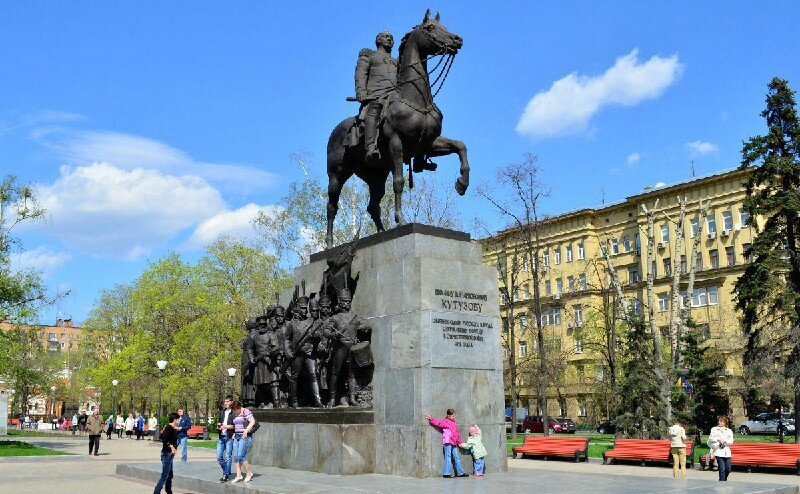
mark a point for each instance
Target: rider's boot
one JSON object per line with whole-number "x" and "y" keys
{"x": 371, "y": 136}
{"x": 422, "y": 163}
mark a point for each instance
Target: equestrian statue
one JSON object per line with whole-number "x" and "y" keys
{"x": 398, "y": 122}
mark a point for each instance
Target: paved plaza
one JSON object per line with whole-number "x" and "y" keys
{"x": 129, "y": 467}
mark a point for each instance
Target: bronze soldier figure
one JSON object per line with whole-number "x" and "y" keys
{"x": 343, "y": 329}
{"x": 300, "y": 347}
{"x": 376, "y": 79}
{"x": 248, "y": 363}
{"x": 324, "y": 348}
{"x": 266, "y": 375}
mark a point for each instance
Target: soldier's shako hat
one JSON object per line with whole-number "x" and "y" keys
{"x": 313, "y": 304}
{"x": 250, "y": 323}
{"x": 302, "y": 301}
{"x": 279, "y": 310}
{"x": 324, "y": 301}
{"x": 345, "y": 295}
{"x": 262, "y": 320}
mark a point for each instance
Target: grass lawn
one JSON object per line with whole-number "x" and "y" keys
{"x": 199, "y": 443}
{"x": 601, "y": 442}
{"x": 19, "y": 448}
{"x": 31, "y": 433}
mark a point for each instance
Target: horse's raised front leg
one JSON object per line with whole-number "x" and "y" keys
{"x": 442, "y": 146}
{"x": 398, "y": 181}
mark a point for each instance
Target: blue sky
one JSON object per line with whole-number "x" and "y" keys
{"x": 151, "y": 126}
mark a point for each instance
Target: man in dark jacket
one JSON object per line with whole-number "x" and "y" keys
{"x": 225, "y": 442}
{"x": 169, "y": 439}
{"x": 94, "y": 425}
{"x": 184, "y": 424}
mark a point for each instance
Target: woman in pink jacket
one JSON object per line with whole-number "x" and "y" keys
{"x": 451, "y": 438}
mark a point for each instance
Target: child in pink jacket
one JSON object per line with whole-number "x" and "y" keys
{"x": 451, "y": 439}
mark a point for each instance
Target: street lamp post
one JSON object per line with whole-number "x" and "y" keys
{"x": 114, "y": 383}
{"x": 161, "y": 364}
{"x": 231, "y": 373}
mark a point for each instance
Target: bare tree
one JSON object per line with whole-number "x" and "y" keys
{"x": 516, "y": 197}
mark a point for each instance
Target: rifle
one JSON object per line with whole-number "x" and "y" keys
{"x": 287, "y": 362}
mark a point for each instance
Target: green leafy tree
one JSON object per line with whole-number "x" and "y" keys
{"x": 768, "y": 293}
{"x": 641, "y": 412}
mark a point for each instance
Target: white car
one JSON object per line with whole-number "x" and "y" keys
{"x": 766, "y": 423}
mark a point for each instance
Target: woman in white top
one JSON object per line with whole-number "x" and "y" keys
{"x": 120, "y": 424}
{"x": 719, "y": 441}
{"x": 152, "y": 425}
{"x": 129, "y": 422}
{"x": 677, "y": 447}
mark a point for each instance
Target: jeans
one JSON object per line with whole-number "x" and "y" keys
{"x": 224, "y": 454}
{"x": 240, "y": 447}
{"x": 452, "y": 457}
{"x": 724, "y": 466}
{"x": 478, "y": 465}
{"x": 94, "y": 443}
{"x": 166, "y": 474}
{"x": 678, "y": 462}
{"x": 182, "y": 445}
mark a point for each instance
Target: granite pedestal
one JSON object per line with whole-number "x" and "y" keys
{"x": 433, "y": 308}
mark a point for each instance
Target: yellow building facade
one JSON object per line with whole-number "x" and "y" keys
{"x": 574, "y": 285}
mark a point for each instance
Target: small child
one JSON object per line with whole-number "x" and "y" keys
{"x": 451, "y": 438}
{"x": 478, "y": 451}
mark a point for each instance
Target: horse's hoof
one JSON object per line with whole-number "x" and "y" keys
{"x": 460, "y": 187}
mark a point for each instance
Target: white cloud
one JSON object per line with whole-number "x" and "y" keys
{"x": 42, "y": 258}
{"x": 83, "y": 147}
{"x": 633, "y": 158}
{"x": 571, "y": 102}
{"x": 15, "y": 122}
{"x": 106, "y": 210}
{"x": 237, "y": 223}
{"x": 699, "y": 148}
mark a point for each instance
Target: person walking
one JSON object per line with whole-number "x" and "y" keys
{"x": 451, "y": 439}
{"x": 129, "y": 424}
{"x": 94, "y": 424}
{"x": 82, "y": 423}
{"x": 677, "y": 448}
{"x": 74, "y": 423}
{"x": 719, "y": 442}
{"x": 225, "y": 441}
{"x": 169, "y": 441}
{"x": 243, "y": 423}
{"x": 184, "y": 424}
{"x": 139, "y": 426}
{"x": 120, "y": 425}
{"x": 152, "y": 425}
{"x": 109, "y": 426}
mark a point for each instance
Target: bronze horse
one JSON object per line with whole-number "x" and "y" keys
{"x": 411, "y": 129}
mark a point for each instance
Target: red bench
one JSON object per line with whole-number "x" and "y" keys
{"x": 576, "y": 447}
{"x": 656, "y": 450}
{"x": 762, "y": 455}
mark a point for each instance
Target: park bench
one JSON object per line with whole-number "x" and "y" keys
{"x": 656, "y": 450}
{"x": 762, "y": 455}
{"x": 570, "y": 447}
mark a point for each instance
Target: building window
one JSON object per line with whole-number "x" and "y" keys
{"x": 504, "y": 320}
{"x": 515, "y": 295}
{"x": 523, "y": 349}
{"x": 711, "y": 224}
{"x": 580, "y": 369}
{"x": 705, "y": 331}
{"x": 578, "y": 345}
{"x": 504, "y": 295}
{"x": 667, "y": 267}
{"x": 578, "y": 314}
{"x": 653, "y": 269}
{"x": 614, "y": 246}
{"x": 663, "y": 302}
{"x": 713, "y": 258}
{"x": 727, "y": 220}
{"x": 559, "y": 286}
{"x": 704, "y": 296}
{"x": 582, "y": 281}
{"x": 683, "y": 264}
{"x": 581, "y": 251}
{"x": 636, "y": 305}
{"x": 551, "y": 316}
{"x": 747, "y": 253}
{"x": 547, "y": 258}
{"x": 547, "y": 289}
{"x": 557, "y": 255}
{"x": 581, "y": 407}
{"x": 600, "y": 373}
{"x": 730, "y": 254}
{"x": 523, "y": 321}
{"x": 695, "y": 226}
{"x": 698, "y": 261}
{"x": 633, "y": 275}
{"x": 626, "y": 242}
{"x": 505, "y": 352}
{"x": 571, "y": 283}
{"x": 744, "y": 218}
{"x": 665, "y": 233}
{"x": 637, "y": 243}
{"x": 553, "y": 344}
{"x": 526, "y": 291}
{"x": 569, "y": 253}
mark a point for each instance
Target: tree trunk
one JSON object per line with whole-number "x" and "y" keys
{"x": 702, "y": 214}
{"x": 675, "y": 305}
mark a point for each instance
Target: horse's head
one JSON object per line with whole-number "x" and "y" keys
{"x": 432, "y": 38}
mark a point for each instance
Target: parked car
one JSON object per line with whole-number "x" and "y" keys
{"x": 607, "y": 427}
{"x": 767, "y": 423}
{"x": 567, "y": 425}
{"x": 534, "y": 423}
{"x": 196, "y": 431}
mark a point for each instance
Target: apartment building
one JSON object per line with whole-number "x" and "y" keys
{"x": 574, "y": 283}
